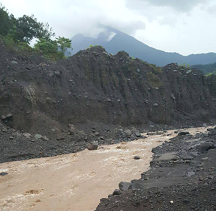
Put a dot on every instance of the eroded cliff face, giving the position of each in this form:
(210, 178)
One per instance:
(211, 83)
(94, 86)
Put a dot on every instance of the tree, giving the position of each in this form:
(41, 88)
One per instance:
(7, 21)
(29, 28)
(63, 43)
(22, 30)
(44, 31)
(53, 49)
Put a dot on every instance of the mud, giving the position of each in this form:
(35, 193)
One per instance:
(75, 181)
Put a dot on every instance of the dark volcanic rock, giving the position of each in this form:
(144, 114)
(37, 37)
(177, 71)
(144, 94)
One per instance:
(92, 146)
(136, 157)
(124, 186)
(7, 117)
(117, 192)
(138, 134)
(211, 83)
(182, 133)
(65, 100)
(186, 155)
(96, 87)
(137, 185)
(128, 132)
(204, 147)
(3, 173)
(188, 183)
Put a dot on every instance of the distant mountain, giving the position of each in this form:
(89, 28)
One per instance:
(114, 41)
(206, 69)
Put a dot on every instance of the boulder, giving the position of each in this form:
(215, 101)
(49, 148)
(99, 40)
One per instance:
(136, 157)
(7, 117)
(117, 192)
(57, 73)
(190, 173)
(96, 133)
(185, 156)
(14, 62)
(93, 146)
(168, 156)
(204, 147)
(137, 185)
(38, 136)
(72, 129)
(183, 133)
(128, 132)
(44, 138)
(124, 186)
(27, 135)
(137, 134)
(3, 174)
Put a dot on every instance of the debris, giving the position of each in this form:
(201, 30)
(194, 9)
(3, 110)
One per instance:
(136, 157)
(3, 173)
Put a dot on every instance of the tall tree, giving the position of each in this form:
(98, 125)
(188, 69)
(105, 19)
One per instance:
(7, 21)
(63, 43)
(30, 28)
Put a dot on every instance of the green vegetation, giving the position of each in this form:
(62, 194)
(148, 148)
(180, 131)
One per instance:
(184, 65)
(91, 46)
(206, 69)
(209, 74)
(154, 80)
(154, 75)
(53, 49)
(18, 33)
(155, 68)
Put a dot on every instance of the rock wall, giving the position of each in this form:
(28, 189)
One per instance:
(94, 86)
(211, 82)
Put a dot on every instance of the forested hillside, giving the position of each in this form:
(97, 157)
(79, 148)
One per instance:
(21, 31)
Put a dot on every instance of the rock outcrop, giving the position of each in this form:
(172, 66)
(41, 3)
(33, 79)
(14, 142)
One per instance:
(211, 82)
(94, 86)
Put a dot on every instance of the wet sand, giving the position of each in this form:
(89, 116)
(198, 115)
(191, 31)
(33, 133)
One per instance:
(75, 182)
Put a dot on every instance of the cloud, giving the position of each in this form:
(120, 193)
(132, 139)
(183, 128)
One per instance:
(68, 17)
(185, 33)
(184, 26)
(179, 5)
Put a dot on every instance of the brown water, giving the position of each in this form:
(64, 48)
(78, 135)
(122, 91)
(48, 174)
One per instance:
(75, 182)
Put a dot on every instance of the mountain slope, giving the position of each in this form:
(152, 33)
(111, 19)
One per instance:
(137, 49)
(206, 69)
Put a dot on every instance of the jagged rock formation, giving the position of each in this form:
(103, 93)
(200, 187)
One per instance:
(211, 82)
(45, 97)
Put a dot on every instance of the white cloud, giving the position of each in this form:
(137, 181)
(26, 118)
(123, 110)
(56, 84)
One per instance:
(185, 26)
(185, 33)
(70, 17)
(179, 5)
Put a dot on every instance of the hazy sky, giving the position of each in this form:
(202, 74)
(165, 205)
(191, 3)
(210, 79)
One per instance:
(183, 26)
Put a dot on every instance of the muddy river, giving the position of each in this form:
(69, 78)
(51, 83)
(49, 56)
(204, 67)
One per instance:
(75, 182)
